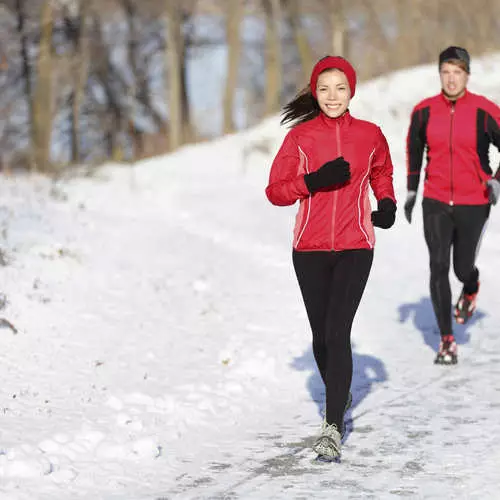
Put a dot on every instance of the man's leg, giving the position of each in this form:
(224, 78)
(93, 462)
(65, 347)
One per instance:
(438, 231)
(470, 222)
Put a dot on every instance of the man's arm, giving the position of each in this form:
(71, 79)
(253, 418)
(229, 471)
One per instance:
(493, 131)
(416, 141)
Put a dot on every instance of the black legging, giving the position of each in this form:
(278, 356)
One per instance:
(460, 227)
(332, 284)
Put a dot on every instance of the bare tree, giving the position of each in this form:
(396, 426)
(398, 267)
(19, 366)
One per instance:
(233, 21)
(27, 76)
(174, 71)
(272, 11)
(80, 70)
(43, 95)
(300, 36)
(338, 27)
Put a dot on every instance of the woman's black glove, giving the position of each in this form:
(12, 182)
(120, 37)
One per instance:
(331, 173)
(385, 216)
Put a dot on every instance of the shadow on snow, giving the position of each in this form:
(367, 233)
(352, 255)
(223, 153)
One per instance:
(367, 370)
(422, 315)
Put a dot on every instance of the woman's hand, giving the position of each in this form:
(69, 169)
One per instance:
(385, 216)
(328, 175)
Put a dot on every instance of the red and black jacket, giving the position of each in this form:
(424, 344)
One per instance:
(340, 218)
(457, 136)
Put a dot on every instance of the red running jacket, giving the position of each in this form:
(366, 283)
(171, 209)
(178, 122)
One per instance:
(457, 136)
(336, 218)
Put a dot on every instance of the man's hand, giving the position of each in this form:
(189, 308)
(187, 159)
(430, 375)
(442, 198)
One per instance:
(493, 191)
(411, 198)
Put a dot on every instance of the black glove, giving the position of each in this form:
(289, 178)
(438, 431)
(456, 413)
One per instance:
(332, 172)
(411, 198)
(385, 216)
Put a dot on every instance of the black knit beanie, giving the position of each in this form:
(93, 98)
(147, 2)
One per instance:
(455, 53)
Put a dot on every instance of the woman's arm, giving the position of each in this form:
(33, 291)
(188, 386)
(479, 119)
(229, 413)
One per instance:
(381, 170)
(286, 179)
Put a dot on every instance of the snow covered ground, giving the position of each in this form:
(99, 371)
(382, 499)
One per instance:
(162, 349)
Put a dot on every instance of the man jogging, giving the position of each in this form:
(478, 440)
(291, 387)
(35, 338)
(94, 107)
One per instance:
(455, 128)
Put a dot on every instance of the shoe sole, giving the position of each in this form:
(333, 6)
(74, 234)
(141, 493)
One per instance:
(326, 447)
(463, 315)
(453, 361)
(324, 459)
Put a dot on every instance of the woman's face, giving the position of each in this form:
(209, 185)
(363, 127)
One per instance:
(333, 93)
(453, 80)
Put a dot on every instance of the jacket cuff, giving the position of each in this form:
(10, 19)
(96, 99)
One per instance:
(387, 205)
(412, 182)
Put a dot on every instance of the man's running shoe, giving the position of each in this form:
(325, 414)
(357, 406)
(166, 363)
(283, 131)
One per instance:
(465, 307)
(447, 354)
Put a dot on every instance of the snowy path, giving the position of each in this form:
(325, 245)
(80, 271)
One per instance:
(234, 416)
(163, 349)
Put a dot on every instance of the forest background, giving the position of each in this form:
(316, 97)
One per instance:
(83, 82)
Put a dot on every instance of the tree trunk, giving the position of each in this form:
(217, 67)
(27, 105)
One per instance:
(132, 90)
(273, 56)
(139, 91)
(113, 119)
(27, 76)
(233, 43)
(174, 72)
(81, 76)
(301, 40)
(42, 99)
(188, 133)
(338, 28)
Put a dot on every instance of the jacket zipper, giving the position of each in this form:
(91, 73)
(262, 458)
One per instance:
(451, 152)
(335, 193)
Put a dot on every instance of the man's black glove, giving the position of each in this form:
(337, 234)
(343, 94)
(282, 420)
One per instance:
(411, 198)
(493, 191)
(331, 173)
(385, 216)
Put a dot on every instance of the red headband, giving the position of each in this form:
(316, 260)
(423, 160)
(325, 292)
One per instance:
(332, 62)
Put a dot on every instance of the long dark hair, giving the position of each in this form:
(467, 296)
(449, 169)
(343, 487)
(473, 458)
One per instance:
(302, 108)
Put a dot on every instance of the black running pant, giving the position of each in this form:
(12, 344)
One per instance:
(458, 227)
(332, 284)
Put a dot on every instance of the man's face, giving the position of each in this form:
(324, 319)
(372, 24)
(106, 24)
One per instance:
(453, 80)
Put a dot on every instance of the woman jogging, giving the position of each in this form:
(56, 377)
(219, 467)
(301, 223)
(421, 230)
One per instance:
(327, 162)
(455, 128)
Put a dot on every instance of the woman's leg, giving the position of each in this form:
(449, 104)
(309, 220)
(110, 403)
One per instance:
(350, 274)
(438, 230)
(314, 271)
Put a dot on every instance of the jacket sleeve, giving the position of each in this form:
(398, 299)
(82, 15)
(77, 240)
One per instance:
(493, 131)
(415, 146)
(382, 169)
(286, 179)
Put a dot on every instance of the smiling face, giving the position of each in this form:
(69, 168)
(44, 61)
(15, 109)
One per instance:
(333, 93)
(454, 80)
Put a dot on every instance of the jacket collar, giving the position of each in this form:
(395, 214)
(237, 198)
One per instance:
(343, 120)
(447, 101)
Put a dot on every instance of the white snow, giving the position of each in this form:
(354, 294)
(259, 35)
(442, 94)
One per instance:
(163, 351)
